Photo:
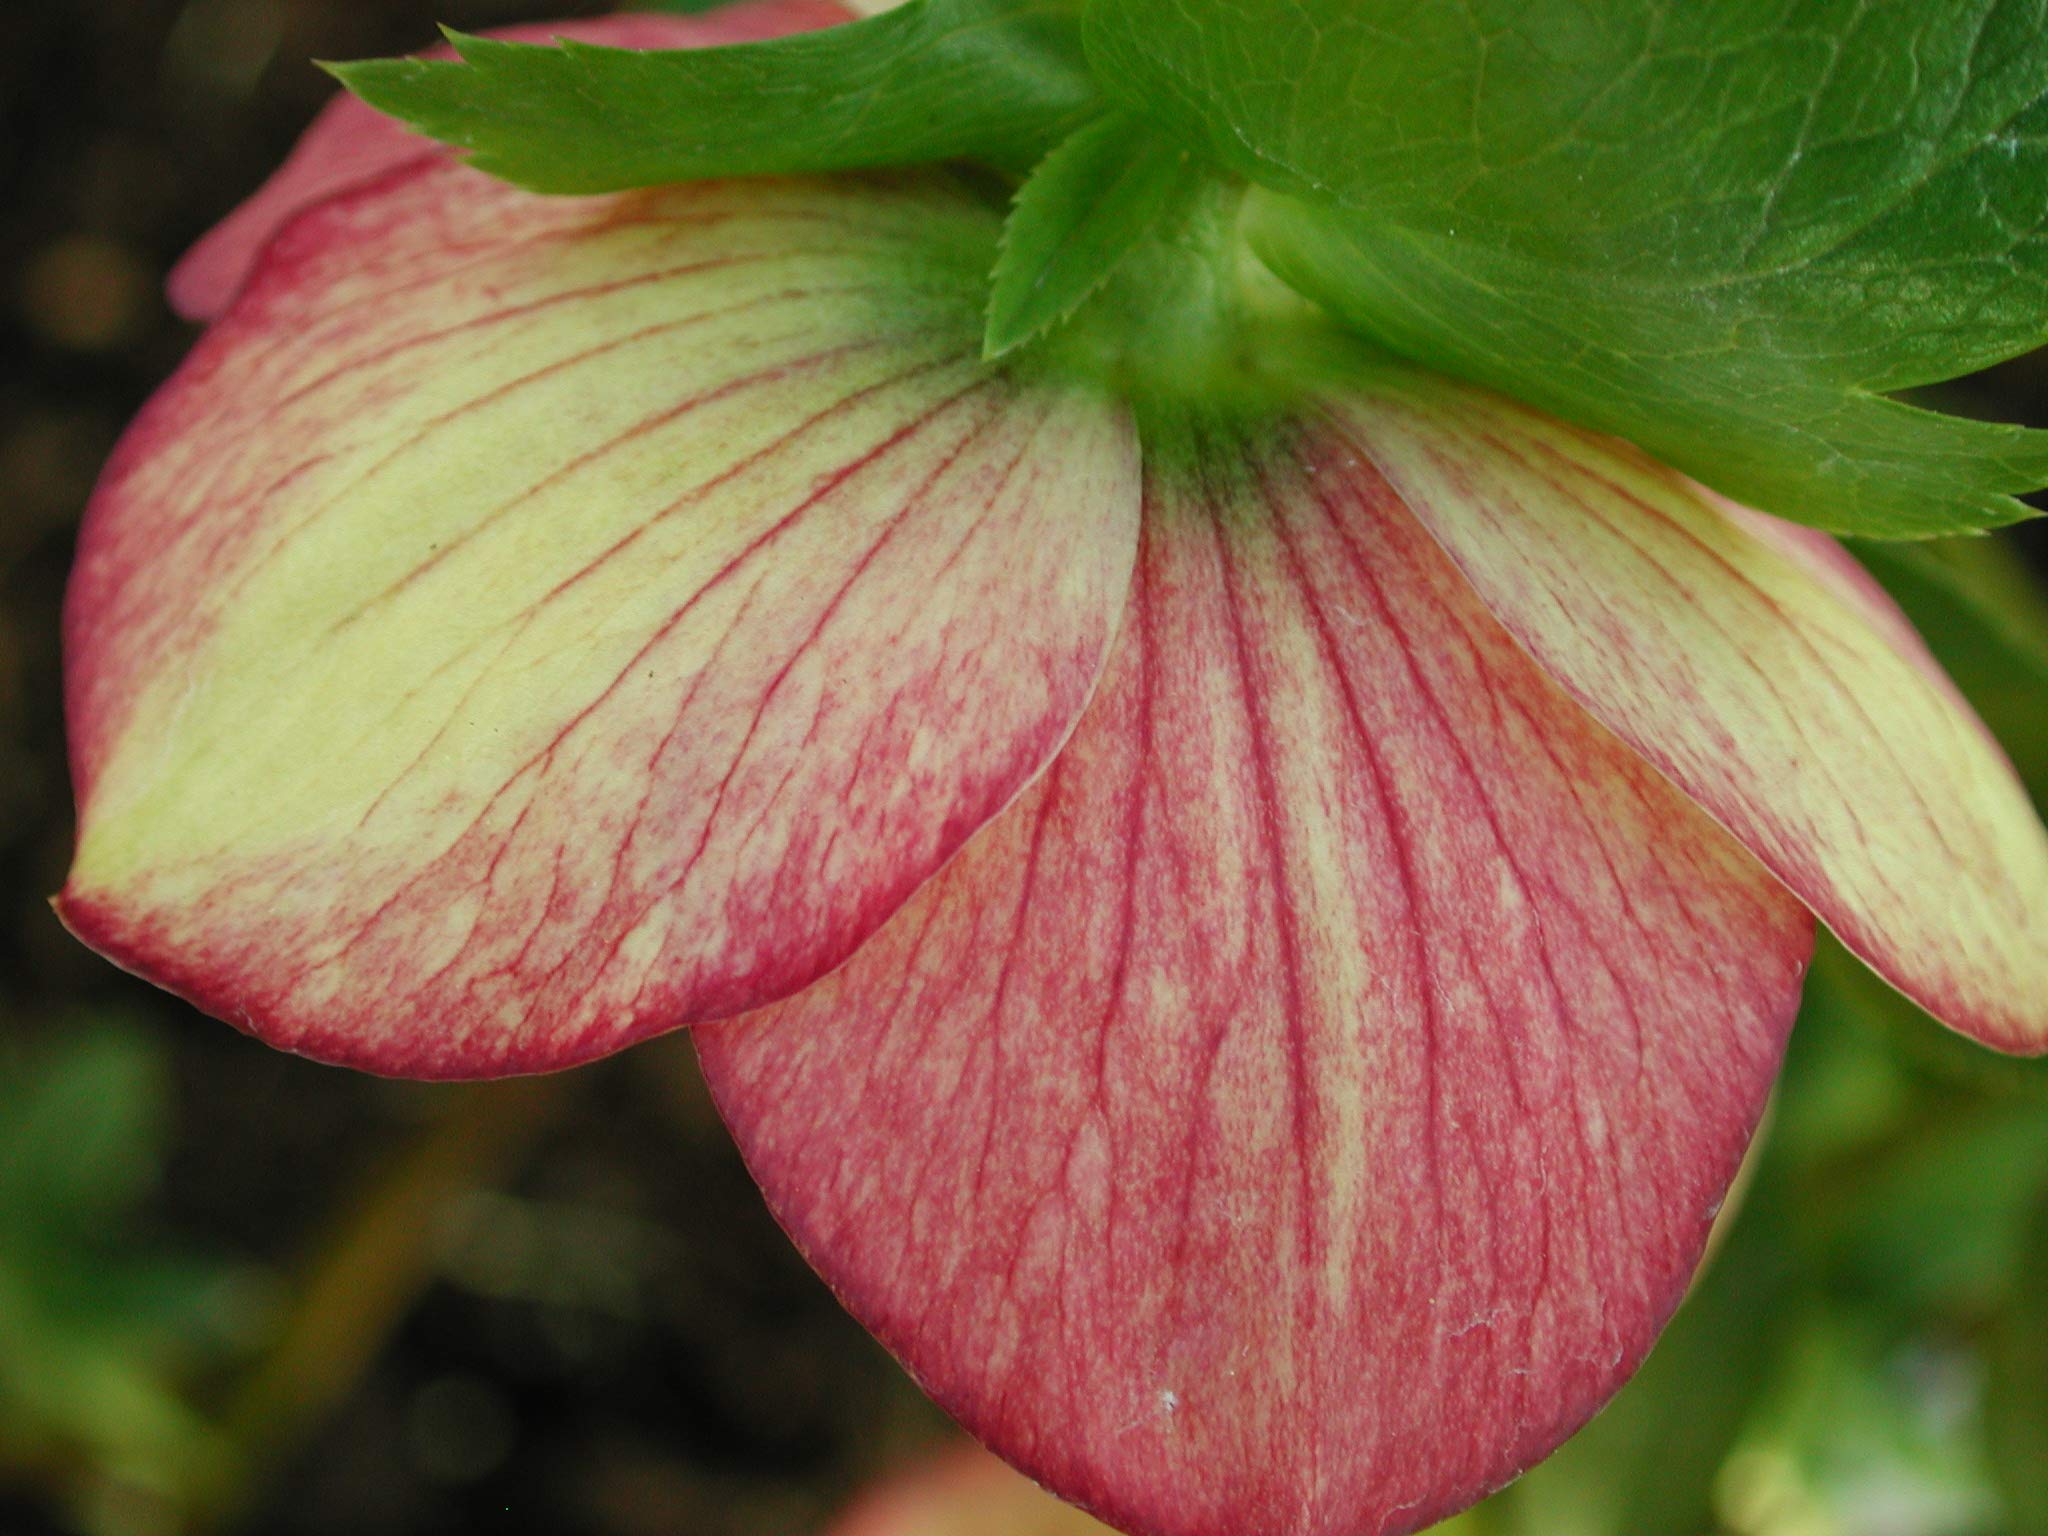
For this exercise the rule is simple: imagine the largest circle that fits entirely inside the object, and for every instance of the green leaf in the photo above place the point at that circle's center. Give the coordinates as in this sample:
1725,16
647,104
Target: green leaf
1083,210
998,80
1724,231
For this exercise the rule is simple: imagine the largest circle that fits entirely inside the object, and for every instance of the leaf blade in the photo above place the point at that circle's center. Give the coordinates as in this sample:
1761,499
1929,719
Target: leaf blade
1722,231
1082,211
932,80
1747,418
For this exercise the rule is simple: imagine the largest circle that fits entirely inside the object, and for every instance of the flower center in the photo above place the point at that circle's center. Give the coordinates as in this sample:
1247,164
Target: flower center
1193,318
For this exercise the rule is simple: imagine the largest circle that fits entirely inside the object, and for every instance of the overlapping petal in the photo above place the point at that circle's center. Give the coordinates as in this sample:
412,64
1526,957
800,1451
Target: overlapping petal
350,145
1301,1109
526,624
1755,665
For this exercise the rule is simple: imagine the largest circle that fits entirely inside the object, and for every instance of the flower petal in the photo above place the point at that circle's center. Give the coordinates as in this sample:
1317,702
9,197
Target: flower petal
349,145
1753,664
1302,1109
526,624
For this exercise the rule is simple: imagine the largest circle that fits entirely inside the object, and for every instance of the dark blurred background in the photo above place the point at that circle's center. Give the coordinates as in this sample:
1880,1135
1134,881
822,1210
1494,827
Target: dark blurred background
242,1292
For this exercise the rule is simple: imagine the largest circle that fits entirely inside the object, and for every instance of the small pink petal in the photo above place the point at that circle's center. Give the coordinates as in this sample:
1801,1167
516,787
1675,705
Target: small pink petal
1301,1110
964,1492
349,144
526,624
1768,676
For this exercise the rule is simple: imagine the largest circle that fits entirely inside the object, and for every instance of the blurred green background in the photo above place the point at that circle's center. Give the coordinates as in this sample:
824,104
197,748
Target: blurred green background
242,1292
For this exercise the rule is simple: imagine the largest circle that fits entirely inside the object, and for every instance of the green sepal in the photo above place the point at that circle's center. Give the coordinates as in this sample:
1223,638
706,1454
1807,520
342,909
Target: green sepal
1086,207
994,80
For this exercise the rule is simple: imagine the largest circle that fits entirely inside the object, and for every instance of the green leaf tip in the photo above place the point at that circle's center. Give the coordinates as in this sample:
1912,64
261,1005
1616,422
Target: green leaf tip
994,80
1083,210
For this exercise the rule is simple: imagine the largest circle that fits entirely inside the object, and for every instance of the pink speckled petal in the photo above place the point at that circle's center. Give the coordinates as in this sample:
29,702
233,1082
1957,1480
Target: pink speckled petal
1300,1110
1765,674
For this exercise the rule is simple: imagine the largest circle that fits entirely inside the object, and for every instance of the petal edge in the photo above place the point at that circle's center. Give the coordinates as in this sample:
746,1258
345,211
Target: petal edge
1761,671
526,624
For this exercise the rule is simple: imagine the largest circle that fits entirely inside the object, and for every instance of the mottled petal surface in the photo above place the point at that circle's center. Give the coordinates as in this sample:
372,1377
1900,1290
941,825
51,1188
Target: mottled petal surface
526,624
1761,670
1302,1108
349,144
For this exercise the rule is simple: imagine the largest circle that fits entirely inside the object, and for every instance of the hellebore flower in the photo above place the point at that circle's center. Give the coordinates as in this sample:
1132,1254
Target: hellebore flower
1254,941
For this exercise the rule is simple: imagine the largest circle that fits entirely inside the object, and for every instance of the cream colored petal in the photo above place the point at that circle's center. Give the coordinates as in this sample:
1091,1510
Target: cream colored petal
1757,668
526,624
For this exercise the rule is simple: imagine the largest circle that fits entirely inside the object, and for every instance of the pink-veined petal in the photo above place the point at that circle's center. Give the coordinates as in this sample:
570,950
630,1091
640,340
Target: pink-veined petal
1302,1108
1752,663
349,144
963,1492
525,624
